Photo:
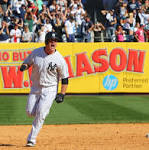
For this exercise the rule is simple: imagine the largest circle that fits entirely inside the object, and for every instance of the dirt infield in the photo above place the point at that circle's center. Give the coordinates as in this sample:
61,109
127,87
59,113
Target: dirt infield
78,137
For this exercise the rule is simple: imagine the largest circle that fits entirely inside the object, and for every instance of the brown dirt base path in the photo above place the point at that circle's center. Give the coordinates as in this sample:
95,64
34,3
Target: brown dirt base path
78,137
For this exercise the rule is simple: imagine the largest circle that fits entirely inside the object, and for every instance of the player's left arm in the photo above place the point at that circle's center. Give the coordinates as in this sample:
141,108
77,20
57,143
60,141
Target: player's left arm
64,85
60,97
64,79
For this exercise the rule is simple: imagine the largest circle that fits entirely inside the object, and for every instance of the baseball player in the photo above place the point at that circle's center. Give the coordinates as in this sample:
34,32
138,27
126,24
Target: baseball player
48,67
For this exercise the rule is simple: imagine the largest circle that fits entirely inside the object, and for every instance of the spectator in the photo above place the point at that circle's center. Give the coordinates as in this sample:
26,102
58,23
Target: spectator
110,24
32,5
86,29
44,10
79,15
27,35
34,17
123,10
75,4
131,20
72,11
57,9
120,34
22,10
137,26
125,25
16,6
146,6
62,4
42,34
132,5
132,23
52,15
3,4
38,4
4,32
69,29
45,2
98,32
48,26
53,6
19,22
146,29
58,27
8,13
29,19
41,20
15,34
140,34
143,16
1,15
120,8
139,4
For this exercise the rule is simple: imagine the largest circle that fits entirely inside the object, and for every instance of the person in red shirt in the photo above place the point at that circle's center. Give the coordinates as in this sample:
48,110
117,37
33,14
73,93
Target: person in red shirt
140,34
33,7
120,34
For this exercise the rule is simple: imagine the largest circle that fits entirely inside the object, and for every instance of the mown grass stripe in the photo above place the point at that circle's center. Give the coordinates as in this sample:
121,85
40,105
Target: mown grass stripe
80,109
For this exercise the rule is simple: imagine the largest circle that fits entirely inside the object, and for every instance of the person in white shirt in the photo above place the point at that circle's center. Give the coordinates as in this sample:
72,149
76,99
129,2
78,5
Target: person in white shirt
79,14
52,7
27,35
15,34
79,17
42,34
16,4
70,29
48,26
75,4
62,4
141,16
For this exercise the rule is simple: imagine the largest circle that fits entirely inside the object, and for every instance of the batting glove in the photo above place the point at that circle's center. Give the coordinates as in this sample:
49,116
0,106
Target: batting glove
23,67
59,98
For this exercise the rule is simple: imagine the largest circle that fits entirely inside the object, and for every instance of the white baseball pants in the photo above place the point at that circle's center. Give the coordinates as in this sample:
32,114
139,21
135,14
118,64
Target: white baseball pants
39,105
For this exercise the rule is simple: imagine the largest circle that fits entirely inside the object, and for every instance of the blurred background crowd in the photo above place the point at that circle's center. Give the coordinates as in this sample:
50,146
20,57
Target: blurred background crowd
74,20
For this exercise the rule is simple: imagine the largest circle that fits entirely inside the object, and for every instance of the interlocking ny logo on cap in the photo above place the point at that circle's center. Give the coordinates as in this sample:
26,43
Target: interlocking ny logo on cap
53,35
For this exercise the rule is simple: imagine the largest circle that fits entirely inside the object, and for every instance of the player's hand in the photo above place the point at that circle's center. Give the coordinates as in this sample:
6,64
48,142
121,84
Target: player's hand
59,98
23,67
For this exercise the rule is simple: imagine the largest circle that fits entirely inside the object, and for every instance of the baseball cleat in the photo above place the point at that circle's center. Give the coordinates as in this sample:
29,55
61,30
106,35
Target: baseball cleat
30,144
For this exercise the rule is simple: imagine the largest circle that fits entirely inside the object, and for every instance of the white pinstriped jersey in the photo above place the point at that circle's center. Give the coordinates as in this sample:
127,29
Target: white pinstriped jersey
47,70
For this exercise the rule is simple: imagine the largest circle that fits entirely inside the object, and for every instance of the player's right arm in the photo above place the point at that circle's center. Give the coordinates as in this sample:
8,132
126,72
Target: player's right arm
27,62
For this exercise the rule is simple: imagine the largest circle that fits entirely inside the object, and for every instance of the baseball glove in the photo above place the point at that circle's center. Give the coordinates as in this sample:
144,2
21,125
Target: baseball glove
59,98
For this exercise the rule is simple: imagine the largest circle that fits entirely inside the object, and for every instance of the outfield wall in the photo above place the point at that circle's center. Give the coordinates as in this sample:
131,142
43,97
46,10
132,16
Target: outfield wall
93,67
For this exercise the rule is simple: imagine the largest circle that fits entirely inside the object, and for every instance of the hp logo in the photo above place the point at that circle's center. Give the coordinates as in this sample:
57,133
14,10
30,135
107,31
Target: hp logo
110,82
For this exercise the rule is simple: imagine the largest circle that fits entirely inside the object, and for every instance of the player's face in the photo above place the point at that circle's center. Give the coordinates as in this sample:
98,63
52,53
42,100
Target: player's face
51,46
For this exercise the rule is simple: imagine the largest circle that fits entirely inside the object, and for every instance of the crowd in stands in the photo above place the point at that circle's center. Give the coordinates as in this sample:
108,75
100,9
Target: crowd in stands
30,20
128,21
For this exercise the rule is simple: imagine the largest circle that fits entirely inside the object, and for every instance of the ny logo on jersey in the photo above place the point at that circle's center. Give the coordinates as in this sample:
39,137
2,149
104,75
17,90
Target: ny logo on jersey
52,67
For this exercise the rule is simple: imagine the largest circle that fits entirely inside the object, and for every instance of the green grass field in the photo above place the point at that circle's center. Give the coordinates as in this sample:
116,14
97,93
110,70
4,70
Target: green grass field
80,109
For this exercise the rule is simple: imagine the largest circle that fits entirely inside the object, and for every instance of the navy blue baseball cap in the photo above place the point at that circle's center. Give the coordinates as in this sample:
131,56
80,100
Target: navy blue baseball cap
51,36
